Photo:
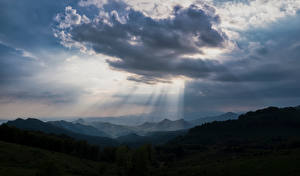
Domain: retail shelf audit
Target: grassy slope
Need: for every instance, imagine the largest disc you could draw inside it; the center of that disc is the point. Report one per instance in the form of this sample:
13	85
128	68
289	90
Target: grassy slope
258	163
27	161
18	160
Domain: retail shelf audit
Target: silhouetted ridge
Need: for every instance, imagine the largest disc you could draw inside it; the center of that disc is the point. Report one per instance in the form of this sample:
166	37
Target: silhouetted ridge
289	114
265	123
222	117
36	125
80	120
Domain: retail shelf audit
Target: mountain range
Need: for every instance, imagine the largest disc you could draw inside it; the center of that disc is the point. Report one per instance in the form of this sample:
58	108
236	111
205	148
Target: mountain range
130	120
112	130
135	120
105	133
116	131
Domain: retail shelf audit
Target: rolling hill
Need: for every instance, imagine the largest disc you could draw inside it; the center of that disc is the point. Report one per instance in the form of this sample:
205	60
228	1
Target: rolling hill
154	138
38	125
20	160
222	117
79	128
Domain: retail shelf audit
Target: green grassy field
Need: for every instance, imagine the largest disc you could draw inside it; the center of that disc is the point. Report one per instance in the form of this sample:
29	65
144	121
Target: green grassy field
18	160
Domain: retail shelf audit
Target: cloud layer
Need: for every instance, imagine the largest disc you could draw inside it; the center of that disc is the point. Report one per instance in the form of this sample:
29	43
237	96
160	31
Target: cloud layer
263	71
234	56
154	50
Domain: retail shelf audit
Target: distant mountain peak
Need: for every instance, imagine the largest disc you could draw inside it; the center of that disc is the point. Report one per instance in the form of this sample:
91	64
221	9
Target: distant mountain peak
80	120
180	120
17	120
165	125
28	120
230	113
165	120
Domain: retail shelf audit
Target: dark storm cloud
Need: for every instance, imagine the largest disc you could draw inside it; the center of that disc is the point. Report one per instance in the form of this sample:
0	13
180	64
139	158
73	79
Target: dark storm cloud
152	49
274	56
254	79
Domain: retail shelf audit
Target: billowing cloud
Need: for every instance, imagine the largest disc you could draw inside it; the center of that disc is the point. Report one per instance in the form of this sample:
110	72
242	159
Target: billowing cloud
263	71
151	49
70	18
244	14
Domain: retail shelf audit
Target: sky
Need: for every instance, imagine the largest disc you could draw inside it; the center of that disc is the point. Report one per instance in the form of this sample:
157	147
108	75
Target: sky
158	58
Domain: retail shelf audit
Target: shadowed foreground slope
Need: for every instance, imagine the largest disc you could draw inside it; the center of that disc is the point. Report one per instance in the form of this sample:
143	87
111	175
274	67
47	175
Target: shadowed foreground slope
19	160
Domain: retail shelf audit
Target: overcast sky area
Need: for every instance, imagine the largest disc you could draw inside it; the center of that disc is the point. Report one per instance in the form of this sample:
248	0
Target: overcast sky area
170	58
